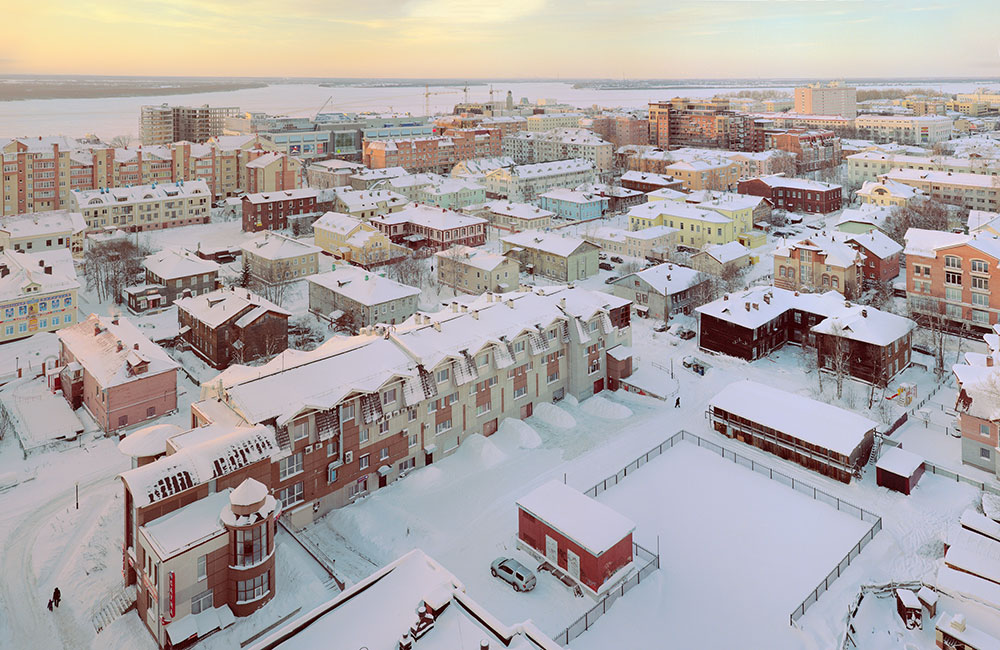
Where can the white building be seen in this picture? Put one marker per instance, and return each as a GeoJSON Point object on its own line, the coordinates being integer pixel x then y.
{"type": "Point", "coordinates": [38, 292]}
{"type": "Point", "coordinates": [526, 182]}
{"type": "Point", "coordinates": [43, 231]}
{"type": "Point", "coordinates": [558, 144]}
{"type": "Point", "coordinates": [144, 207]}
{"type": "Point", "coordinates": [904, 129]}
{"type": "Point", "coordinates": [369, 298]}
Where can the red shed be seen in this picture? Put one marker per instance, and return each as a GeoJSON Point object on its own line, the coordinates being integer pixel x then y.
{"type": "Point", "coordinates": [899, 470]}
{"type": "Point", "coordinates": [585, 538]}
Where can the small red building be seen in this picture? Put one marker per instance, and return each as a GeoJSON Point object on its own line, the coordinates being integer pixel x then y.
{"type": "Point", "coordinates": [880, 256]}
{"type": "Point", "coordinates": [899, 470]}
{"type": "Point", "coordinates": [270, 210]}
{"type": "Point", "coordinates": [794, 194]}
{"type": "Point", "coordinates": [585, 538]}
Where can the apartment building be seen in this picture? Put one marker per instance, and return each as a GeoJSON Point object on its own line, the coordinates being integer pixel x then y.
{"type": "Point", "coordinates": [973, 191]}
{"type": "Point", "coordinates": [513, 217]}
{"type": "Point", "coordinates": [819, 262]}
{"type": "Point", "coordinates": [355, 241]}
{"type": "Point", "coordinates": [110, 368]}
{"type": "Point", "coordinates": [869, 165]}
{"type": "Point", "coordinates": [368, 298]}
{"type": "Point", "coordinates": [560, 257]}
{"type": "Point", "coordinates": [361, 204]}
{"type": "Point", "coordinates": [976, 404]}
{"type": "Point", "coordinates": [271, 171]}
{"type": "Point", "coordinates": [43, 231]}
{"type": "Point", "coordinates": [428, 385]}
{"type": "Point", "coordinates": [660, 291]}
{"type": "Point", "coordinates": [526, 182]}
{"type": "Point", "coordinates": [949, 277]}
{"type": "Point", "coordinates": [451, 193]}
{"type": "Point", "coordinates": [887, 193]}
{"type": "Point", "coordinates": [842, 126]}
{"type": "Point", "coordinates": [682, 122]}
{"type": "Point", "coordinates": [573, 205]}
{"type": "Point", "coordinates": [433, 154]}
{"type": "Point", "coordinates": [795, 194]}
{"type": "Point", "coordinates": [324, 174]}
{"type": "Point", "coordinates": [38, 292]}
{"type": "Point", "coordinates": [904, 129]}
{"type": "Point", "coordinates": [880, 255]}
{"type": "Point", "coordinates": [831, 99]}
{"type": "Point", "coordinates": [274, 258]}
{"type": "Point", "coordinates": [270, 210]}
{"type": "Point", "coordinates": [653, 243]}
{"type": "Point", "coordinates": [144, 207]}
{"type": "Point", "coordinates": [981, 96]}
{"type": "Point", "coordinates": [164, 124]}
{"type": "Point", "coordinates": [476, 271]}
{"type": "Point", "coordinates": [549, 121]}
{"type": "Point", "coordinates": [813, 149]}
{"type": "Point", "coordinates": [232, 325]}
{"type": "Point", "coordinates": [171, 274]}
{"type": "Point", "coordinates": [619, 198]}
{"type": "Point", "coordinates": [529, 147]}
{"type": "Point", "coordinates": [476, 169]}
{"type": "Point", "coordinates": [365, 178]}
{"type": "Point", "coordinates": [721, 259]}
{"type": "Point", "coordinates": [622, 129]}
{"type": "Point", "coordinates": [428, 227]}
{"type": "Point", "coordinates": [649, 182]}
{"type": "Point", "coordinates": [744, 210]}
{"type": "Point", "coordinates": [702, 218]}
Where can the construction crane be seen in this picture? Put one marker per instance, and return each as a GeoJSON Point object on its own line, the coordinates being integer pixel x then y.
{"type": "Point", "coordinates": [427, 97]}
{"type": "Point", "coordinates": [328, 100]}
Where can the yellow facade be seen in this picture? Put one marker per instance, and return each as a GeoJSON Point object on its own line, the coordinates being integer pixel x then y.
{"type": "Point", "coordinates": [696, 227]}
{"type": "Point", "coordinates": [360, 243]}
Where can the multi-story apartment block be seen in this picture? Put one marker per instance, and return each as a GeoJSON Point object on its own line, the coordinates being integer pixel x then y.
{"type": "Point", "coordinates": [695, 226]}
{"type": "Point", "coordinates": [949, 277]}
{"type": "Point", "coordinates": [981, 96]}
{"type": "Point", "coordinates": [270, 210]}
{"type": "Point", "coordinates": [653, 243]}
{"type": "Point", "coordinates": [43, 231]}
{"type": "Point", "coordinates": [477, 168]}
{"type": "Point", "coordinates": [721, 259]}
{"type": "Point", "coordinates": [973, 191]}
{"type": "Point", "coordinates": [144, 207]}
{"type": "Point", "coordinates": [879, 255]}
{"type": "Point", "coordinates": [526, 182]}
{"type": "Point", "coordinates": [831, 99]}
{"type": "Point", "coordinates": [573, 205]}
{"type": "Point", "coordinates": [560, 257]}
{"type": "Point", "coordinates": [164, 124]}
{"type": "Point", "coordinates": [274, 258]}
{"type": "Point", "coordinates": [869, 165]}
{"type": "Point", "coordinates": [813, 149]}
{"type": "Point", "coordinates": [171, 274]}
{"type": "Point", "coordinates": [361, 204]}
{"type": "Point", "coordinates": [549, 121]}
{"type": "Point", "coordinates": [795, 194]}
{"type": "Point", "coordinates": [271, 172]}
{"type": "Point", "coordinates": [476, 271]}
{"type": "Point", "coordinates": [839, 124]}
{"type": "Point", "coordinates": [355, 241]}
{"type": "Point", "coordinates": [38, 292]}
{"type": "Point", "coordinates": [424, 226]}
{"type": "Point", "coordinates": [428, 384]}
{"type": "Point", "coordinates": [705, 174]}
{"type": "Point", "coordinates": [324, 174]}
{"type": "Point", "coordinates": [742, 209]}
{"type": "Point", "coordinates": [514, 217]}
{"type": "Point", "coordinates": [819, 262]}
{"type": "Point", "coordinates": [441, 191]}
{"type": "Point", "coordinates": [110, 368]}
{"type": "Point", "coordinates": [368, 298]}
{"type": "Point", "coordinates": [904, 129]}
{"type": "Point", "coordinates": [619, 198]}
{"type": "Point", "coordinates": [977, 406]}
{"type": "Point", "coordinates": [365, 178]}
{"type": "Point", "coordinates": [559, 144]}
{"type": "Point", "coordinates": [682, 122]}
{"type": "Point", "coordinates": [434, 154]}
{"type": "Point", "coordinates": [622, 129]}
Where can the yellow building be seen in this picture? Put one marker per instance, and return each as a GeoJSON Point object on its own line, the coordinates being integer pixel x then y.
{"type": "Point", "coordinates": [887, 192]}
{"type": "Point", "coordinates": [275, 258]}
{"type": "Point", "coordinates": [37, 293]}
{"type": "Point", "coordinates": [353, 240]}
{"type": "Point", "coordinates": [41, 231]}
{"type": "Point", "coordinates": [706, 174]}
{"type": "Point", "coordinates": [696, 226]}
{"type": "Point", "coordinates": [144, 207]}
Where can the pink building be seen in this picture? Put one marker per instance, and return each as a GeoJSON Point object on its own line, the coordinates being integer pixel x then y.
{"type": "Point", "coordinates": [109, 367]}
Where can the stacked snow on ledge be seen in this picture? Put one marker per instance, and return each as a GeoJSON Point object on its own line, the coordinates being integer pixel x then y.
{"type": "Point", "coordinates": [518, 433]}
{"type": "Point", "coordinates": [554, 416]}
{"type": "Point", "coordinates": [601, 407]}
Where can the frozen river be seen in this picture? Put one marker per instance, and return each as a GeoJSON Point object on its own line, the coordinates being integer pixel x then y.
{"type": "Point", "coordinates": [110, 116]}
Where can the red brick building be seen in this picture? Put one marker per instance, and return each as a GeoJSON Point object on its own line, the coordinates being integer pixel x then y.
{"type": "Point", "coordinates": [270, 210]}
{"type": "Point", "coordinates": [795, 194]}
{"type": "Point", "coordinates": [427, 226]}
{"type": "Point", "coordinates": [621, 130]}
{"type": "Point", "coordinates": [433, 154]}
{"type": "Point", "coordinates": [584, 538]}
{"type": "Point", "coordinates": [649, 182]}
{"type": "Point", "coordinates": [813, 149]}
{"type": "Point", "coordinates": [880, 256]}
{"type": "Point", "coordinates": [682, 122]}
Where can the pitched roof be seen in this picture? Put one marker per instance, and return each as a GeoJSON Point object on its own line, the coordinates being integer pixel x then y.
{"type": "Point", "coordinates": [666, 279]}
{"type": "Point", "coordinates": [561, 245]}
{"type": "Point", "coordinates": [216, 307]}
{"type": "Point", "coordinates": [26, 269]}
{"type": "Point", "coordinates": [361, 286]}
{"type": "Point", "coordinates": [172, 263]}
{"type": "Point", "coordinates": [111, 351]}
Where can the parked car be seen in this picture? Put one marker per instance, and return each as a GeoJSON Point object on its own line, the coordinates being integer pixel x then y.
{"type": "Point", "coordinates": [662, 327]}
{"type": "Point", "coordinates": [687, 249]}
{"type": "Point", "coordinates": [611, 279]}
{"type": "Point", "coordinates": [616, 259]}
{"type": "Point", "coordinates": [511, 571]}
{"type": "Point", "coordinates": [602, 256]}
{"type": "Point", "coordinates": [686, 333]}
{"type": "Point", "coordinates": [605, 266]}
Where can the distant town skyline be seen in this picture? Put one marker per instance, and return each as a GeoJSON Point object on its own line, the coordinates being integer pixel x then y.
{"type": "Point", "coordinates": [517, 38]}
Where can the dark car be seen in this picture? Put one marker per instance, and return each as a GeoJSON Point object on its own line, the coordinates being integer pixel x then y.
{"type": "Point", "coordinates": [611, 279]}
{"type": "Point", "coordinates": [616, 259]}
{"type": "Point", "coordinates": [686, 334]}
{"type": "Point", "coordinates": [511, 571]}
{"type": "Point", "coordinates": [605, 266]}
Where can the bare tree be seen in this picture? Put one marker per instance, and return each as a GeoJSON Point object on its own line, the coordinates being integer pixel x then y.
{"type": "Point", "coordinates": [121, 141]}
{"type": "Point", "coordinates": [450, 268]}
{"type": "Point", "coordinates": [927, 312]}
{"type": "Point", "coordinates": [783, 162]}
{"type": "Point", "coordinates": [834, 352]}
{"type": "Point", "coordinates": [927, 214]}
{"type": "Point", "coordinates": [272, 283]}
{"type": "Point", "coordinates": [410, 271]}
{"type": "Point", "coordinates": [6, 422]}
{"type": "Point", "coordinates": [346, 323]}
{"type": "Point", "coordinates": [112, 265]}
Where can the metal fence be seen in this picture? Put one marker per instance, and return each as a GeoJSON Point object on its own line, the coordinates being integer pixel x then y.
{"type": "Point", "coordinates": [650, 562]}
{"type": "Point", "coordinates": [763, 469]}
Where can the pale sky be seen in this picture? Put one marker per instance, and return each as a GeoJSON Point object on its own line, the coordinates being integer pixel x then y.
{"type": "Point", "coordinates": [504, 38]}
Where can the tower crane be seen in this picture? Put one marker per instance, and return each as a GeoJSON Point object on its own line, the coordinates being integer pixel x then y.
{"type": "Point", "coordinates": [427, 97]}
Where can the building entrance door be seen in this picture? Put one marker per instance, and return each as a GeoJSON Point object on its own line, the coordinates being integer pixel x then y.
{"type": "Point", "coordinates": [552, 550]}
{"type": "Point", "coordinates": [573, 564]}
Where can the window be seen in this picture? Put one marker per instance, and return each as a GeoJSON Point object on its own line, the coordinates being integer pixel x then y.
{"type": "Point", "coordinates": [290, 466]}
{"type": "Point", "coordinates": [411, 440]}
{"type": "Point", "coordinates": [247, 590]}
{"type": "Point", "coordinates": [981, 299]}
{"type": "Point", "coordinates": [346, 412]}
{"type": "Point", "coordinates": [553, 377]}
{"type": "Point", "coordinates": [411, 414]}
{"type": "Point", "coordinates": [441, 427]}
{"type": "Point", "coordinates": [202, 602]}
{"type": "Point", "coordinates": [950, 277]}
{"type": "Point", "coordinates": [980, 266]}
{"type": "Point", "coordinates": [151, 411]}
{"type": "Point", "coordinates": [953, 311]}
{"type": "Point", "coordinates": [984, 452]}
{"type": "Point", "coordinates": [953, 293]}
{"type": "Point", "coordinates": [358, 487]}
{"type": "Point", "coordinates": [520, 392]}
{"type": "Point", "coordinates": [383, 427]}
{"type": "Point", "coordinates": [483, 360]}
{"type": "Point", "coordinates": [442, 375]}
{"type": "Point", "coordinates": [364, 462]}
{"type": "Point", "coordinates": [595, 365]}
{"type": "Point", "coordinates": [251, 545]}
{"type": "Point", "coordinates": [290, 495]}
{"type": "Point", "coordinates": [407, 464]}
{"type": "Point", "coordinates": [331, 473]}
{"type": "Point", "coordinates": [518, 347]}
{"type": "Point", "coordinates": [980, 283]}
{"type": "Point", "coordinates": [484, 408]}
{"type": "Point", "coordinates": [300, 430]}
{"type": "Point", "coordinates": [952, 262]}
{"type": "Point", "coordinates": [389, 396]}
{"type": "Point", "coordinates": [363, 435]}
{"type": "Point", "coordinates": [202, 567]}
{"type": "Point", "coordinates": [980, 316]}
{"type": "Point", "coordinates": [984, 430]}
{"type": "Point", "coordinates": [383, 453]}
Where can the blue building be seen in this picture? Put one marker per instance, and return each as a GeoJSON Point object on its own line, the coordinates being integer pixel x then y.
{"type": "Point", "coordinates": [574, 205]}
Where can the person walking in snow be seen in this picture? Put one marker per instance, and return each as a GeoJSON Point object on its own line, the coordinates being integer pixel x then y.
{"type": "Point", "coordinates": [56, 596]}
{"type": "Point", "coordinates": [677, 404]}
{"type": "Point", "coordinates": [50, 604]}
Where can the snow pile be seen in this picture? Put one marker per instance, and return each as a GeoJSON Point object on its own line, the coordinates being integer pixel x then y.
{"type": "Point", "coordinates": [554, 416]}
{"type": "Point", "coordinates": [991, 506]}
{"type": "Point", "coordinates": [600, 407]}
{"type": "Point", "coordinates": [519, 434]}
{"type": "Point", "coordinates": [571, 400]}
{"type": "Point", "coordinates": [477, 449]}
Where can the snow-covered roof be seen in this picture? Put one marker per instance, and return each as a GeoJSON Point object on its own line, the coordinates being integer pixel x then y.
{"type": "Point", "coordinates": [588, 522]}
{"type": "Point", "coordinates": [666, 193]}
{"type": "Point", "coordinates": [518, 210]}
{"type": "Point", "coordinates": [666, 279]}
{"type": "Point", "coordinates": [281, 195]}
{"type": "Point", "coordinates": [554, 168]}
{"type": "Point", "coordinates": [363, 286]}
{"type": "Point", "coordinates": [571, 196]}
{"type": "Point", "coordinates": [376, 612]}
{"type": "Point", "coordinates": [140, 193]}
{"type": "Point", "coordinates": [722, 201]}
{"type": "Point", "coordinates": [38, 224]}
{"type": "Point", "coordinates": [217, 307]}
{"type": "Point", "coordinates": [925, 243]}
{"type": "Point", "coordinates": [264, 160]}
{"type": "Point", "coordinates": [26, 270]}
{"type": "Point", "coordinates": [148, 441]}
{"type": "Point", "coordinates": [649, 178]}
{"type": "Point", "coordinates": [188, 526]}
{"type": "Point", "coordinates": [900, 462]}
{"type": "Point", "coordinates": [429, 216]}
{"type": "Point", "coordinates": [337, 222]}
{"type": "Point", "coordinates": [984, 181]}
{"type": "Point", "coordinates": [559, 244]}
{"type": "Point", "coordinates": [477, 257]}
{"type": "Point", "coordinates": [273, 246]}
{"type": "Point", "coordinates": [868, 213]}
{"type": "Point", "coordinates": [875, 242]}
{"type": "Point", "coordinates": [378, 174]}
{"type": "Point", "coordinates": [956, 627]}
{"type": "Point", "coordinates": [809, 420]}
{"type": "Point", "coordinates": [676, 209]}
{"type": "Point", "coordinates": [619, 235]}
{"type": "Point", "coordinates": [979, 219]}
{"type": "Point", "coordinates": [833, 245]}
{"type": "Point", "coordinates": [113, 352]}
{"type": "Point", "coordinates": [724, 253]}
{"type": "Point", "coordinates": [38, 416]}
{"type": "Point", "coordinates": [895, 189]}
{"type": "Point", "coordinates": [980, 524]}
{"type": "Point", "coordinates": [797, 183]}
{"type": "Point", "coordinates": [249, 493]}
{"type": "Point", "coordinates": [170, 264]}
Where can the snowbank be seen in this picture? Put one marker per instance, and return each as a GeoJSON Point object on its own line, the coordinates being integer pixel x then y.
{"type": "Point", "coordinates": [519, 434]}
{"type": "Point", "coordinates": [602, 408]}
{"type": "Point", "coordinates": [554, 416]}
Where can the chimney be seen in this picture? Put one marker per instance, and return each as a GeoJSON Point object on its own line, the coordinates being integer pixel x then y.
{"type": "Point", "coordinates": [747, 305]}
{"type": "Point", "coordinates": [47, 270]}
{"type": "Point", "coordinates": [454, 307]}
{"type": "Point", "coordinates": [725, 296]}
{"type": "Point", "coordinates": [958, 622]}
{"type": "Point", "coordinates": [437, 326]}
{"type": "Point", "coordinates": [989, 361]}
{"type": "Point", "coordinates": [135, 346]}
{"type": "Point", "coordinates": [484, 645]}
{"type": "Point", "coordinates": [97, 329]}
{"type": "Point", "coordinates": [475, 314]}
{"type": "Point", "coordinates": [756, 306]}
{"type": "Point", "coordinates": [465, 309]}
{"type": "Point", "coordinates": [120, 346]}
{"type": "Point", "coordinates": [562, 303]}
{"type": "Point", "coordinates": [864, 313]}
{"type": "Point", "coordinates": [767, 298]}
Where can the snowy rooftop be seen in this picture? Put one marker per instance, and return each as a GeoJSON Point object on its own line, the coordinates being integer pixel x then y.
{"type": "Point", "coordinates": [273, 246]}
{"type": "Point", "coordinates": [676, 209]}
{"type": "Point", "coordinates": [712, 199]}
{"type": "Point", "coordinates": [139, 193]}
{"type": "Point", "coordinates": [282, 195]}
{"type": "Point", "coordinates": [264, 160]}
{"type": "Point", "coordinates": [378, 174]}
{"type": "Point", "coordinates": [895, 189]}
{"type": "Point", "coordinates": [724, 253]}
{"type": "Point", "coordinates": [925, 243]}
{"type": "Point", "coordinates": [188, 526]}
{"type": "Point", "coordinates": [29, 270]}
{"type": "Point", "coordinates": [39, 416]}
{"type": "Point", "coordinates": [833, 246]}
{"type": "Point", "coordinates": [217, 307]}
{"type": "Point", "coordinates": [557, 244]}
{"type": "Point", "coordinates": [979, 219]}
{"type": "Point", "coordinates": [648, 177]}
{"type": "Point", "coordinates": [590, 523]}
{"type": "Point", "coordinates": [956, 627]}
{"type": "Point", "coordinates": [337, 222]}
{"type": "Point", "coordinates": [148, 441]}
{"type": "Point", "coordinates": [378, 610]}
{"type": "Point", "coordinates": [429, 216]}
{"type": "Point", "coordinates": [114, 353]}
{"type": "Point", "coordinates": [817, 423]}
{"type": "Point", "coordinates": [875, 242]}
{"type": "Point", "coordinates": [984, 181]}
{"type": "Point", "coordinates": [170, 264]}
{"type": "Point", "coordinates": [605, 233]}
{"type": "Point", "coordinates": [899, 462]}
{"type": "Point", "coordinates": [666, 193]}
{"type": "Point", "coordinates": [362, 286]}
{"type": "Point", "coordinates": [797, 183]}
{"type": "Point", "coordinates": [36, 224]}
{"type": "Point", "coordinates": [868, 213]}
{"type": "Point", "coordinates": [571, 196]}
{"type": "Point", "coordinates": [554, 168]}
{"type": "Point", "coordinates": [518, 210]}
{"type": "Point", "coordinates": [355, 200]}
{"type": "Point", "coordinates": [666, 279]}
{"type": "Point", "coordinates": [477, 257]}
